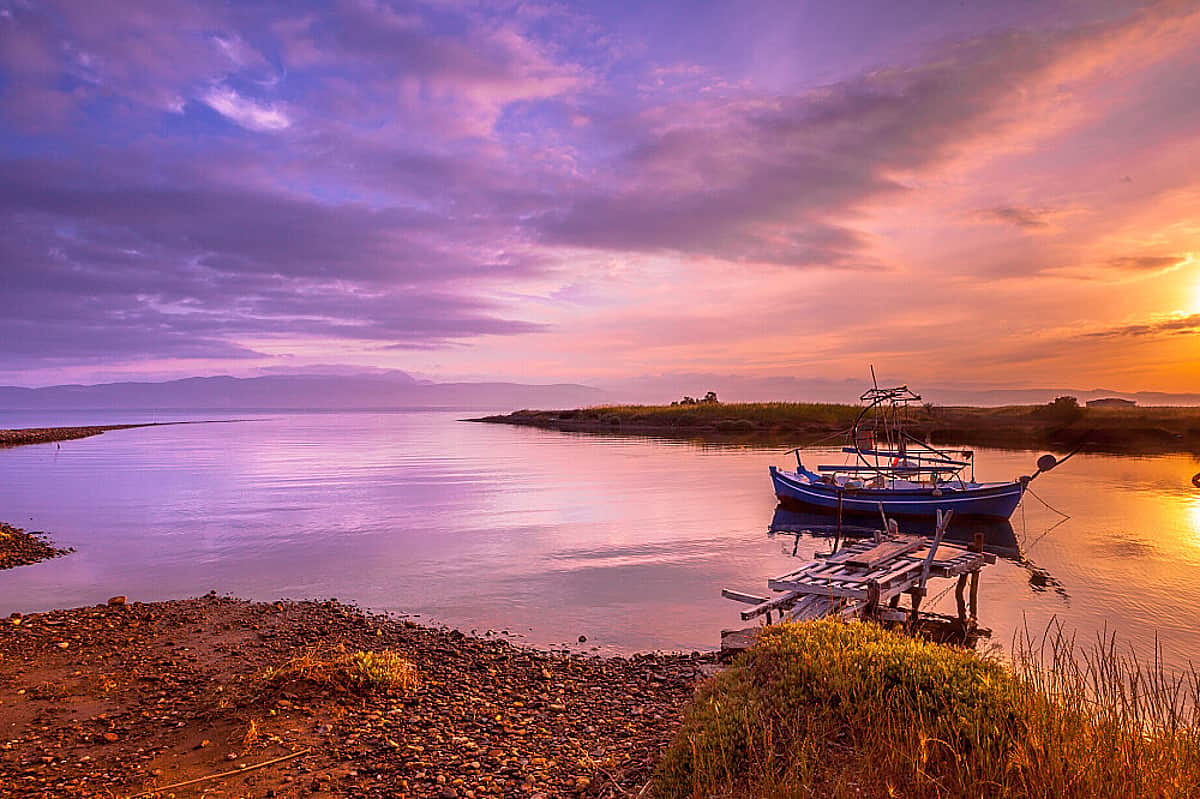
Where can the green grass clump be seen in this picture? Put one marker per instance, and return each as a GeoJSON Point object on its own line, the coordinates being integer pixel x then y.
{"type": "Point", "coordinates": [359, 671]}
{"type": "Point", "coordinates": [830, 708]}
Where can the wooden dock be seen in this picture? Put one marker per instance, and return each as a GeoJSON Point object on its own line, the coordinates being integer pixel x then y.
{"type": "Point", "coordinates": [867, 579]}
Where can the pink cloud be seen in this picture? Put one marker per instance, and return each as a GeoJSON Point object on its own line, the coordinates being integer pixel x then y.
{"type": "Point", "coordinates": [246, 112]}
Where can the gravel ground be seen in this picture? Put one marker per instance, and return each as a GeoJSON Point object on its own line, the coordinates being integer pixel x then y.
{"type": "Point", "coordinates": [19, 548]}
{"type": "Point", "coordinates": [118, 699]}
{"type": "Point", "coordinates": [43, 435]}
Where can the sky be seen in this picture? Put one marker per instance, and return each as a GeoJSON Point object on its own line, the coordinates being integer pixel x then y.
{"type": "Point", "coordinates": [973, 193]}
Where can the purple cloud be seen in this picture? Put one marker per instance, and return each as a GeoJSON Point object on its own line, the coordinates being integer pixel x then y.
{"type": "Point", "coordinates": [1176, 325]}
{"type": "Point", "coordinates": [775, 178]}
{"type": "Point", "coordinates": [99, 256]}
{"type": "Point", "coordinates": [1145, 263]}
{"type": "Point", "coordinates": [195, 179]}
{"type": "Point", "coordinates": [1021, 216]}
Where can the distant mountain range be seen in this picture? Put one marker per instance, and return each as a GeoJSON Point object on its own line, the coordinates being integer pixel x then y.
{"type": "Point", "coordinates": [397, 389]}
{"type": "Point", "coordinates": [308, 392]}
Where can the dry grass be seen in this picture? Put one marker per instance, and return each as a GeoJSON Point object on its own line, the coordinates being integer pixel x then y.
{"type": "Point", "coordinates": [359, 671]}
{"type": "Point", "coordinates": [252, 734]}
{"type": "Point", "coordinates": [760, 413]}
{"type": "Point", "coordinates": [834, 709]}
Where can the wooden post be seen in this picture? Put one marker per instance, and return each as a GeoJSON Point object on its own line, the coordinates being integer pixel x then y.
{"type": "Point", "coordinates": [975, 579]}
{"type": "Point", "coordinates": [883, 518]}
{"type": "Point", "coordinates": [837, 536]}
{"type": "Point", "coordinates": [918, 593]}
{"type": "Point", "coordinates": [943, 521]}
{"type": "Point", "coordinates": [959, 599]}
{"type": "Point", "coordinates": [872, 608]}
{"type": "Point", "coordinates": [975, 594]}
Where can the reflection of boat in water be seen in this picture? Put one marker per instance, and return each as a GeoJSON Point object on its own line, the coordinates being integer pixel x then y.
{"type": "Point", "coordinates": [907, 476]}
{"type": "Point", "coordinates": [999, 538]}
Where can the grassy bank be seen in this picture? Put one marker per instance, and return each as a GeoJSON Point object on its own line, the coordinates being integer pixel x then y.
{"type": "Point", "coordinates": [1132, 430]}
{"type": "Point", "coordinates": [835, 709]}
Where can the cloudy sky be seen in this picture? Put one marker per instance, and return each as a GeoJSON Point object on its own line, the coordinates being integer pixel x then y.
{"type": "Point", "coordinates": [958, 192]}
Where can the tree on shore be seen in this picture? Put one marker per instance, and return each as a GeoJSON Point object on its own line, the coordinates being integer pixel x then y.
{"type": "Point", "coordinates": [1064, 410]}
{"type": "Point", "coordinates": [709, 399]}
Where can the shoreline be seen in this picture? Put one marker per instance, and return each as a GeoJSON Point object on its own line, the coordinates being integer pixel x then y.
{"type": "Point", "coordinates": [24, 436]}
{"type": "Point", "coordinates": [134, 696]}
{"type": "Point", "coordinates": [20, 437]}
{"type": "Point", "coordinates": [21, 548]}
{"type": "Point", "coordinates": [1125, 431]}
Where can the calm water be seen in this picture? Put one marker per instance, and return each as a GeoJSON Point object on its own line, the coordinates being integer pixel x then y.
{"type": "Point", "coordinates": [545, 535]}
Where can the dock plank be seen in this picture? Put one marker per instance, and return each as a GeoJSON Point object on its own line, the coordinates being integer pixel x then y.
{"type": "Point", "coordinates": [888, 550]}
{"type": "Point", "coordinates": [782, 601]}
{"type": "Point", "coordinates": [739, 596]}
{"type": "Point", "coordinates": [866, 577]}
{"type": "Point", "coordinates": [945, 552]}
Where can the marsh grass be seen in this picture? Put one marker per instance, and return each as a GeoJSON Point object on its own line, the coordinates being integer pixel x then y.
{"type": "Point", "coordinates": [834, 709]}
{"type": "Point", "coordinates": [1138, 429]}
{"type": "Point", "coordinates": [760, 413]}
{"type": "Point", "coordinates": [1100, 722]}
{"type": "Point", "coordinates": [358, 671]}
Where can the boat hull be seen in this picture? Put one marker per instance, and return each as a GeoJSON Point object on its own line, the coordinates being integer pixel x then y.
{"type": "Point", "coordinates": [989, 500]}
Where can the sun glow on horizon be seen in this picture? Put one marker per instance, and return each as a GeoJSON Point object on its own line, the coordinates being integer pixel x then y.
{"type": "Point", "coordinates": [1194, 304]}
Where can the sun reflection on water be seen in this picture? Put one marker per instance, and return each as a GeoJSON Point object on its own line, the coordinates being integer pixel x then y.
{"type": "Point", "coordinates": [1193, 516]}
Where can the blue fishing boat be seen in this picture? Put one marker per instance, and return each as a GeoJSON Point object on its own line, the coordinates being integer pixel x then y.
{"type": "Point", "coordinates": [894, 470]}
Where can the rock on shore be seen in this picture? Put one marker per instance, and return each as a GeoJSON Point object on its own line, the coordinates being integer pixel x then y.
{"type": "Point", "coordinates": [19, 548]}
{"type": "Point", "coordinates": [129, 697]}
{"type": "Point", "coordinates": [44, 435]}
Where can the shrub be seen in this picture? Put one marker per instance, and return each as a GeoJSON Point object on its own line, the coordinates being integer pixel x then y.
{"type": "Point", "coordinates": [807, 692]}
{"type": "Point", "coordinates": [829, 708]}
{"type": "Point", "coordinates": [1064, 411]}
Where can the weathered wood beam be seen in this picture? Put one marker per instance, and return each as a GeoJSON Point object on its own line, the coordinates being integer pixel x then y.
{"type": "Point", "coordinates": [738, 596]}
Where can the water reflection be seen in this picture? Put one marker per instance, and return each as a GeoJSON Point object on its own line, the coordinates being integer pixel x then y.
{"type": "Point", "coordinates": [628, 541]}
{"type": "Point", "coordinates": [997, 535]}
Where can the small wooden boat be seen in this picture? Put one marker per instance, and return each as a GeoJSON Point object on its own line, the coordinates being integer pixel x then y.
{"type": "Point", "coordinates": [900, 497]}
{"type": "Point", "coordinates": [906, 476]}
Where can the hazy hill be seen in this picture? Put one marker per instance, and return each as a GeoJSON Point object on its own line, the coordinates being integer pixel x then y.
{"type": "Point", "coordinates": [389, 390]}
{"type": "Point", "coordinates": [399, 390]}
{"type": "Point", "coordinates": [662, 389]}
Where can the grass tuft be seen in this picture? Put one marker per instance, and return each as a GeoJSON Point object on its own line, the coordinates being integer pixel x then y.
{"type": "Point", "coordinates": [359, 671]}
{"type": "Point", "coordinates": [849, 709]}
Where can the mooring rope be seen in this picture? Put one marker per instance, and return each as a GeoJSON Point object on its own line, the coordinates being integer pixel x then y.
{"type": "Point", "coordinates": [832, 435]}
{"type": "Point", "coordinates": [1029, 490]}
